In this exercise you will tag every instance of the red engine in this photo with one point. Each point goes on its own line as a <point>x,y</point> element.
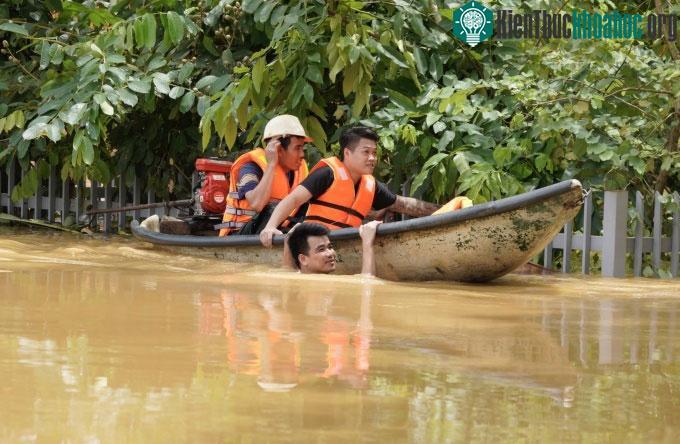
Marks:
<point>214,178</point>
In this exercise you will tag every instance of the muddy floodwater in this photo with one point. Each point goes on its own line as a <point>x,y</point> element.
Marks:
<point>113,341</point>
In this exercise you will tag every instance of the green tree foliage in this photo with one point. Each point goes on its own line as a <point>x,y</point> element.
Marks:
<point>96,88</point>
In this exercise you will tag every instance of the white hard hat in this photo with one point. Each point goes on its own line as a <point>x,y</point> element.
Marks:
<point>284,125</point>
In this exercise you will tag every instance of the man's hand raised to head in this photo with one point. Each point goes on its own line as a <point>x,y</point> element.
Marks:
<point>271,152</point>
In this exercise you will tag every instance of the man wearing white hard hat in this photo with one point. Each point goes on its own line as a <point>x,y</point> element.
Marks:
<point>261,178</point>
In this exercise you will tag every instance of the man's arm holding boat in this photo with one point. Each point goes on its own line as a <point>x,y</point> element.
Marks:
<point>287,259</point>
<point>295,199</point>
<point>412,206</point>
<point>367,233</point>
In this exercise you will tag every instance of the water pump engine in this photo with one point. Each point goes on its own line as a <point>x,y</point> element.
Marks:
<point>211,197</point>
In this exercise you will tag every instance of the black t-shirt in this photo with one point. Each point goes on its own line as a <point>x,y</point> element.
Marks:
<point>320,180</point>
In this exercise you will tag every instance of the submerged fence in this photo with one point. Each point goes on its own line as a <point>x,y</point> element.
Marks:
<point>615,243</point>
<point>67,202</point>
<point>56,200</point>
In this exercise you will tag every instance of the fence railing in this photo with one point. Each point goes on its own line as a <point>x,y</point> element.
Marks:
<point>56,199</point>
<point>614,243</point>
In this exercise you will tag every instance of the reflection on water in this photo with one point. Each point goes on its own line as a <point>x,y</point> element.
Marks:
<point>264,338</point>
<point>117,342</point>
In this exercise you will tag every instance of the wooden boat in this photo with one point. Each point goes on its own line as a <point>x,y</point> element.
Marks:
<point>475,244</point>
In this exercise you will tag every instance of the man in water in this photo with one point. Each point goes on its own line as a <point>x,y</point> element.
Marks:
<point>307,248</point>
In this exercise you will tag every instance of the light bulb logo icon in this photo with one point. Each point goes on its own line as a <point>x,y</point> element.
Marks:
<point>473,23</point>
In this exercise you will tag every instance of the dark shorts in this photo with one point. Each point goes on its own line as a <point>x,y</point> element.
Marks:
<point>257,223</point>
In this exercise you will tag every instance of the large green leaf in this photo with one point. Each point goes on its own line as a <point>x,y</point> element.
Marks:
<point>206,81</point>
<point>106,107</point>
<point>187,102</point>
<point>87,150</point>
<point>140,86</point>
<point>421,60</point>
<point>44,54</point>
<point>127,97</point>
<point>401,100</point>
<point>13,27</point>
<point>74,113</point>
<point>175,27</point>
<point>258,73</point>
<point>184,72</point>
<point>230,132</point>
<point>145,31</point>
<point>176,92</point>
<point>162,83</point>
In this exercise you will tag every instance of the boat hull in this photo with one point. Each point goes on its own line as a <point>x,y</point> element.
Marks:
<point>475,244</point>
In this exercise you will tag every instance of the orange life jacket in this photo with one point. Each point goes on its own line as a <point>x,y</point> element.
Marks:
<point>340,206</point>
<point>238,211</point>
<point>457,203</point>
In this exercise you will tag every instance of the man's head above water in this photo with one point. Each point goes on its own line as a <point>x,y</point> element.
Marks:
<point>311,248</point>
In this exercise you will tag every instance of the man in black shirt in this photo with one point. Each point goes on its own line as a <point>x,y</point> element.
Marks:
<point>358,159</point>
<point>321,179</point>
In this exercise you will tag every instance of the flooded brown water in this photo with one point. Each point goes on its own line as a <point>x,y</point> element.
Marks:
<point>111,341</point>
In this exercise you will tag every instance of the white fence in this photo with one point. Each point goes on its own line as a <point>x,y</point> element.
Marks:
<point>55,200</point>
<point>614,243</point>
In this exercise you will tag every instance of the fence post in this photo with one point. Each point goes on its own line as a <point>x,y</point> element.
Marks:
<point>52,194</point>
<point>587,230</point>
<point>122,191</point>
<point>136,197</point>
<point>614,236</point>
<point>38,201</point>
<point>566,252</point>
<point>548,256</point>
<point>151,198</point>
<point>80,195</point>
<point>11,181</point>
<point>94,202</point>
<point>66,200</point>
<point>656,233</point>
<point>107,205</point>
<point>24,203</point>
<point>639,233</point>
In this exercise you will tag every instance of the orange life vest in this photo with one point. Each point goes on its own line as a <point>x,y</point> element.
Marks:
<point>238,211</point>
<point>340,206</point>
<point>457,203</point>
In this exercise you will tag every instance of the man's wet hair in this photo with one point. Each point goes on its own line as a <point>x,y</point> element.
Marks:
<point>297,241</point>
<point>350,137</point>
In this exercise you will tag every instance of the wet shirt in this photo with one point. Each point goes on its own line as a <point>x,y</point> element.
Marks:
<point>320,180</point>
